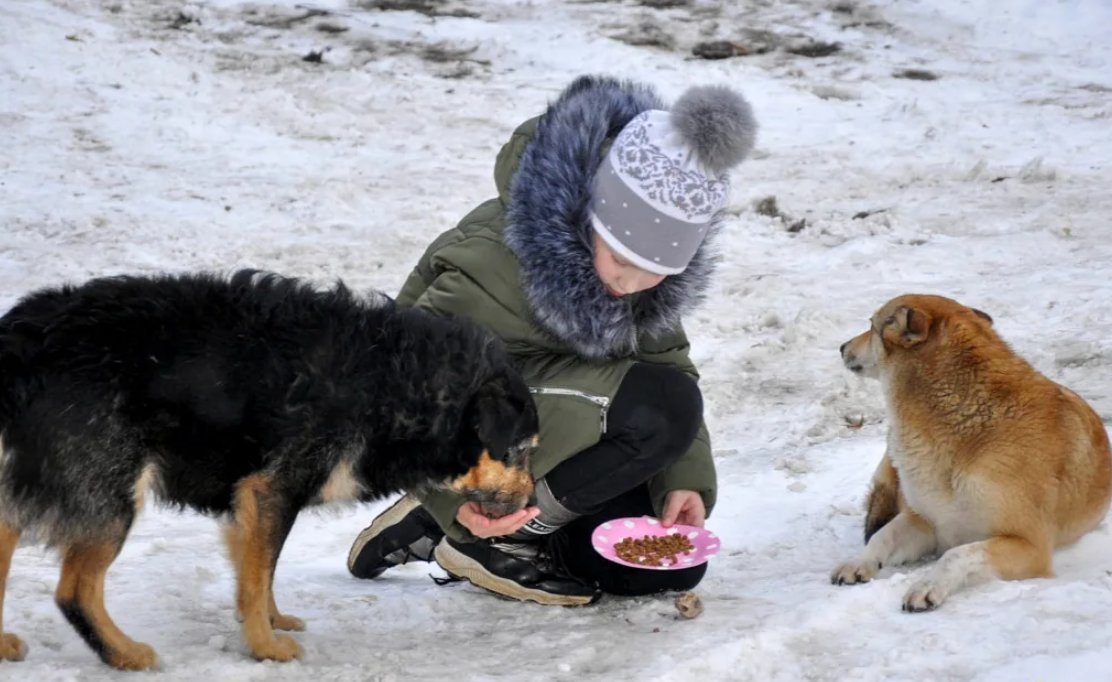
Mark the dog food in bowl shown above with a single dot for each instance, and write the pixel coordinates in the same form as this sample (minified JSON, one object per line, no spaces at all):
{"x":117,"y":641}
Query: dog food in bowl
{"x":654,"y":550}
{"x":639,"y":538}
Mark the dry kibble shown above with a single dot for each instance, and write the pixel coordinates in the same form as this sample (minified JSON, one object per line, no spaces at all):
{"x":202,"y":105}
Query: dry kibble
{"x":689,"y":605}
{"x":653,"y":550}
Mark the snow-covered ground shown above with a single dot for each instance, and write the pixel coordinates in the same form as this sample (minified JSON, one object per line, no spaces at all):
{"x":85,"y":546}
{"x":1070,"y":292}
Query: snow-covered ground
{"x":152,"y":135}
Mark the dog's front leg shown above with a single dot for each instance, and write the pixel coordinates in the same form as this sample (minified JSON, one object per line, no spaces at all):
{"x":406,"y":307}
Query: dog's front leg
{"x":278,"y":620}
{"x":260,"y":526}
{"x":906,"y":538}
{"x":1005,"y":557}
{"x":282,"y":621}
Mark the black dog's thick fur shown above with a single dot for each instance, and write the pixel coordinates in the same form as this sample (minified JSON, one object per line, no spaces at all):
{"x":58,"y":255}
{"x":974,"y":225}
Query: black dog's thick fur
{"x":190,"y":385}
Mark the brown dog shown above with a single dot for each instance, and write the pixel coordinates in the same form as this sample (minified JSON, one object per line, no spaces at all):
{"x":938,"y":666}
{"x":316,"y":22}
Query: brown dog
{"x":989,"y":463}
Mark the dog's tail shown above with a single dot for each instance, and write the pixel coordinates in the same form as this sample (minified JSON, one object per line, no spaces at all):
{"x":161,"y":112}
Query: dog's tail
{"x":9,"y":374}
{"x":884,"y":497}
{"x":23,"y":331}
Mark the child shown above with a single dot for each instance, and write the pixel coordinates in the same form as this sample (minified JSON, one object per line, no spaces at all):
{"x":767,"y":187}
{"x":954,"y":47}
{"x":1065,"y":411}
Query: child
{"x":584,"y":265}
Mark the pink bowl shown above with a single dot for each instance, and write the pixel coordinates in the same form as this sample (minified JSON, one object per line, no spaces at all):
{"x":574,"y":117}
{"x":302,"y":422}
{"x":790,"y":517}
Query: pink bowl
{"x":611,"y":533}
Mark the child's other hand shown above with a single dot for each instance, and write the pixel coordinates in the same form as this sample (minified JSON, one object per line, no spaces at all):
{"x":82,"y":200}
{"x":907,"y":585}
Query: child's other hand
{"x":473,"y":519}
{"x":684,"y":506}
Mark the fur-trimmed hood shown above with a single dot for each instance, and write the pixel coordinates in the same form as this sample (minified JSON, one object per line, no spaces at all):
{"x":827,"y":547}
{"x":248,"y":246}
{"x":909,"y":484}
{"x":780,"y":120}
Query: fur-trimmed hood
{"x":549,"y":231}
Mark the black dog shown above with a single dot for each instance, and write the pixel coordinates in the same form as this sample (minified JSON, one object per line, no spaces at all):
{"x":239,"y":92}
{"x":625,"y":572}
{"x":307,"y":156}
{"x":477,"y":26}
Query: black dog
{"x":247,"y":398}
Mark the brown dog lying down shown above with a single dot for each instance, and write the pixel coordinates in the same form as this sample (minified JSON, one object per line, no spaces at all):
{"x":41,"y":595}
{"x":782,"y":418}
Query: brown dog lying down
{"x":989,"y":463}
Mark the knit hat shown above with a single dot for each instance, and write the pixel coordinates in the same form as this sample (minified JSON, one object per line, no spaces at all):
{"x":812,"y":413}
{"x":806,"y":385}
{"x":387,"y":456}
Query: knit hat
{"x":658,"y":190}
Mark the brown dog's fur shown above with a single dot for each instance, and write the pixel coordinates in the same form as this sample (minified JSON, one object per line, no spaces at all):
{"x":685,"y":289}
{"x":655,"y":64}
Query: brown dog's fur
{"x":989,"y":463}
{"x":883,"y":502}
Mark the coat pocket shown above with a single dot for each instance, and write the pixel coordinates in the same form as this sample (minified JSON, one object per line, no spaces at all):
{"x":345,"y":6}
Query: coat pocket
{"x":601,"y":401}
{"x":571,"y":421}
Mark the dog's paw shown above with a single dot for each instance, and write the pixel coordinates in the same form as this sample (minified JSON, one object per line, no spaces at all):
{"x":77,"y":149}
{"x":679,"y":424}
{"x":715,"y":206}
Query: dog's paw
{"x":133,"y":656}
{"x":12,"y":648}
{"x":279,"y":648}
{"x":925,"y":595}
{"x":853,"y":572}
{"x":281,"y":621}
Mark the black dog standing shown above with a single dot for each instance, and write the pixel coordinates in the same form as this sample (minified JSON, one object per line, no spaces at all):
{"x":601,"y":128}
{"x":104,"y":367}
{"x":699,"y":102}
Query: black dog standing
{"x":248,"y":398}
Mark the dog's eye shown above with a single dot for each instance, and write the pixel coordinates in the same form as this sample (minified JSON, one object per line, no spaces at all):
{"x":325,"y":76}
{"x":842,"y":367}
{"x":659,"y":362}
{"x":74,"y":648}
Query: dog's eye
{"x":522,"y":449}
{"x":891,"y":319}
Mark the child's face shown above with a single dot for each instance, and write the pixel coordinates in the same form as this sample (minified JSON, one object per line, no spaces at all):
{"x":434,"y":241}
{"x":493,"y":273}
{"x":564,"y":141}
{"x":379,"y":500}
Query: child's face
{"x":621,"y":277}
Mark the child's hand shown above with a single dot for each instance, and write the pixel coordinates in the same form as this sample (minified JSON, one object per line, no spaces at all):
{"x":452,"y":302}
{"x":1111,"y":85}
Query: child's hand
{"x":684,"y":506}
{"x":473,"y":519}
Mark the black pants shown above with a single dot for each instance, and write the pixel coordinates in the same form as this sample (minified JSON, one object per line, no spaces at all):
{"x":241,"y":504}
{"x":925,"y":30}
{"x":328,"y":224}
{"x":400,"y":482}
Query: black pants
{"x":652,"y":422}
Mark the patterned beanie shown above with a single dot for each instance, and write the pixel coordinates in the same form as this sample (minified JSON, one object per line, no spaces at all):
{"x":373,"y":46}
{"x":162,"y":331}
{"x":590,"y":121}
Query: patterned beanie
{"x":666,"y":176}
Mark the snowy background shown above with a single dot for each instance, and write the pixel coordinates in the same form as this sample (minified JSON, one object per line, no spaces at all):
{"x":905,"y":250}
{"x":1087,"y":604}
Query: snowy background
{"x":334,"y":139}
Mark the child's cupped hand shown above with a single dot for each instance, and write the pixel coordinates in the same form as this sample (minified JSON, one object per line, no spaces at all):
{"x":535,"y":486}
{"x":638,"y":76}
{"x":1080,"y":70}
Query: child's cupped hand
{"x":471,"y":517}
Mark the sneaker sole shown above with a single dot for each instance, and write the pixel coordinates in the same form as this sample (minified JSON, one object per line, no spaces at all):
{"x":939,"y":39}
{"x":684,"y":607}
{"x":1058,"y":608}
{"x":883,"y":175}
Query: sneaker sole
{"x":462,"y":566}
{"x":397,"y":511}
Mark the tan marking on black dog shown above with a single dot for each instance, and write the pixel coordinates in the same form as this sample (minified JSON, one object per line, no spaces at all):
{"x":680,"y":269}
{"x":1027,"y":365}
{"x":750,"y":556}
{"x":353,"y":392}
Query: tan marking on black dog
{"x":80,"y":595}
{"x":253,"y":552}
{"x":341,"y":485}
{"x":492,"y":478}
{"x":278,"y":620}
{"x":148,"y":480}
{"x":12,"y":647}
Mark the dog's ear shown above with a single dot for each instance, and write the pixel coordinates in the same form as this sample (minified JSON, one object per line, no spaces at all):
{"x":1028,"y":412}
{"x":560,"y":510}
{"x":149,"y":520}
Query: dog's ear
{"x":914,"y":326}
{"x":982,"y":314}
{"x":492,"y":414}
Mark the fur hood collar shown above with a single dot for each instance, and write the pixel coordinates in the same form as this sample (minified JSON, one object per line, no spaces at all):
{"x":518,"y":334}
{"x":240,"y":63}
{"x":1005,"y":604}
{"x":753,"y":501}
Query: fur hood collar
{"x":548,"y":229}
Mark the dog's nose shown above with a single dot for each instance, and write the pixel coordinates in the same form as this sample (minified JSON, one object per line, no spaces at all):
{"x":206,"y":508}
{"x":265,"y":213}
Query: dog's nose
{"x":842,"y":348}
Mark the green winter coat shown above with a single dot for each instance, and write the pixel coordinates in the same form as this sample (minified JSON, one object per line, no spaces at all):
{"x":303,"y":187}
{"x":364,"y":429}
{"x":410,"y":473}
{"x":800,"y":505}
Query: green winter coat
{"x":473,"y":272}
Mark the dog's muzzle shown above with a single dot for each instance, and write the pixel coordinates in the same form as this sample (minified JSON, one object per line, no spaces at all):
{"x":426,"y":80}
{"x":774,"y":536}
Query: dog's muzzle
{"x":850,"y":360}
{"x":498,"y":488}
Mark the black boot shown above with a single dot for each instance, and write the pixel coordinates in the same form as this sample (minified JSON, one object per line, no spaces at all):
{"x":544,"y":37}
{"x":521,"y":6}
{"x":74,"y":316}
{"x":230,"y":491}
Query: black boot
{"x":514,"y":570}
{"x":402,"y":533}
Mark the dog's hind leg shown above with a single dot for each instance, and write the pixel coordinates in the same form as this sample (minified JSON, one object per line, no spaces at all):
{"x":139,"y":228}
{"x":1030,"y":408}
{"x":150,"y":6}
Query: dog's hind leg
{"x":262,"y":521}
{"x":80,"y":595}
{"x":12,"y":648}
{"x":884,"y":495}
{"x":1007,"y":557}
